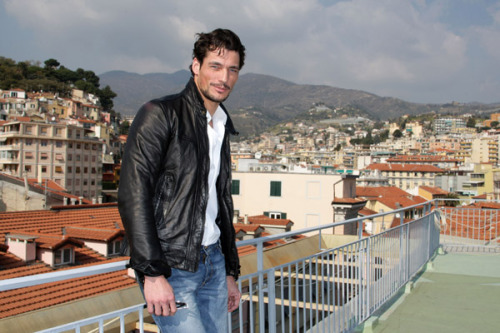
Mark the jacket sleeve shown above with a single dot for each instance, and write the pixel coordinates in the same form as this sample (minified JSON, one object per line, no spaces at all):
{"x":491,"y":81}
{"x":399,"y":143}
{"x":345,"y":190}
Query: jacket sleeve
{"x":141,"y":166}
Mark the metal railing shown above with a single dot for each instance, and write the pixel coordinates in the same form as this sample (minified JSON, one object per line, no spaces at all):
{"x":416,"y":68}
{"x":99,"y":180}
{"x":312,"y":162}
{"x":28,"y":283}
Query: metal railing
{"x":333,"y":290}
{"x":466,"y":229}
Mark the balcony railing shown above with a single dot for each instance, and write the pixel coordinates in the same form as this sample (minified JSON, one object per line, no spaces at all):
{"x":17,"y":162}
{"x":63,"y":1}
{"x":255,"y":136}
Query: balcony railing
{"x":335,"y":288}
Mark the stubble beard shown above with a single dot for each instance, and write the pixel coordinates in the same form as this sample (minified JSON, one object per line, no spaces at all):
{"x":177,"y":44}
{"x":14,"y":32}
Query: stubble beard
{"x":211,"y":98}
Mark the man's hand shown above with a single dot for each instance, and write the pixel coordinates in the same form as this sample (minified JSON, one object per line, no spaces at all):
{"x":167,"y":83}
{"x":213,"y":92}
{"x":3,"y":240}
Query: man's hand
{"x":159,"y":296}
{"x":233,"y":294}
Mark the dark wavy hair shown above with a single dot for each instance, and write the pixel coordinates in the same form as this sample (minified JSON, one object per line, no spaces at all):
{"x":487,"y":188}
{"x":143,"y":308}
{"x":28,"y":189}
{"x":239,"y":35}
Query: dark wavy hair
{"x":219,"y":38}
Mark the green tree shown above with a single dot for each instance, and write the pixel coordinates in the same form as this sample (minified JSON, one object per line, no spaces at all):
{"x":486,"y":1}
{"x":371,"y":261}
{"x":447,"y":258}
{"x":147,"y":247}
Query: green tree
{"x":51,"y":64}
{"x":106,"y":96}
{"x":124,"y":127}
{"x":397,"y":134}
{"x":471,"y":122}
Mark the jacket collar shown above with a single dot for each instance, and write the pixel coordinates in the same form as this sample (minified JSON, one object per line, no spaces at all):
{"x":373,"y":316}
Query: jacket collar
{"x":199,"y":106}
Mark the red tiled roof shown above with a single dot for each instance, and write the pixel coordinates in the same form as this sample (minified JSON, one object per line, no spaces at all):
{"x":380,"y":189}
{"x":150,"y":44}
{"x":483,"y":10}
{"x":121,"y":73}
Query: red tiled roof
{"x":247,"y":249}
{"x":17,"y":301}
{"x":379,"y":191}
{"x":389,"y":195}
{"x":45,"y":241}
{"x":52,"y":221}
{"x":404,"y":167}
{"x":98,"y":234}
{"x":94,"y":222}
{"x":366,"y":212}
{"x":434,"y":190}
{"x":246,"y":227}
{"x":264,"y":220}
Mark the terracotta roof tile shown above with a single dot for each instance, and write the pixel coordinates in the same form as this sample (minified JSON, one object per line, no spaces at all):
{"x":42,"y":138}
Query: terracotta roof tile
{"x":264,"y":220}
{"x":434,"y":190}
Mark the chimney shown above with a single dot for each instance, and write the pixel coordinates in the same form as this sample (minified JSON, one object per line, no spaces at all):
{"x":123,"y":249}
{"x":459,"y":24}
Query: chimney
{"x":245,"y":221}
{"x":23,"y":246}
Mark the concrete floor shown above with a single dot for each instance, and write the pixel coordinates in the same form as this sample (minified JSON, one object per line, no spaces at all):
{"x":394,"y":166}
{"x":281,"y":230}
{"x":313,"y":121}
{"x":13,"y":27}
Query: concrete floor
{"x":458,"y":292}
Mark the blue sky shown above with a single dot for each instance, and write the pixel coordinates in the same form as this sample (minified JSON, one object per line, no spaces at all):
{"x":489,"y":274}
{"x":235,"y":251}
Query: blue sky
{"x":426,"y":51}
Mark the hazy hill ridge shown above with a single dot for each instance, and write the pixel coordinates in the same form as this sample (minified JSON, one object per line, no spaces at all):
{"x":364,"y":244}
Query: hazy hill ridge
{"x":258,"y":101}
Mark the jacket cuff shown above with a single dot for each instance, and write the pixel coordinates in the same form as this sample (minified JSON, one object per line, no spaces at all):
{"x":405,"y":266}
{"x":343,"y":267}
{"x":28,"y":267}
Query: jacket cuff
{"x":152,"y":268}
{"x":235,"y":273}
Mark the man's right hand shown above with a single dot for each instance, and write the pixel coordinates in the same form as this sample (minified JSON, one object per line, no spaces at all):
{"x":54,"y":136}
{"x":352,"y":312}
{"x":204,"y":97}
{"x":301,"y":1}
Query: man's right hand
{"x":159,"y":296}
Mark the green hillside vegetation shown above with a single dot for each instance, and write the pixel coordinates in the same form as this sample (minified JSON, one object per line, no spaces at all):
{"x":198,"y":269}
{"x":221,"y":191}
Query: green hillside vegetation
{"x":52,"y":77}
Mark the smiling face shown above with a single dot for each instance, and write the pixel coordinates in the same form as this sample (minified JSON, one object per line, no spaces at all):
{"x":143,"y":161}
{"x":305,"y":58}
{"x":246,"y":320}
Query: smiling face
{"x":216,"y":76}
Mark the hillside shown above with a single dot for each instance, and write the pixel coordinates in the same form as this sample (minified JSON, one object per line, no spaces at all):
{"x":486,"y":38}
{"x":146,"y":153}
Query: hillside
{"x":261,"y":101}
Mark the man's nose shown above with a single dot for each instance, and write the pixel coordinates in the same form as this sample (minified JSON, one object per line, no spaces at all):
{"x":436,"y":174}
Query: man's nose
{"x":224,"y":75}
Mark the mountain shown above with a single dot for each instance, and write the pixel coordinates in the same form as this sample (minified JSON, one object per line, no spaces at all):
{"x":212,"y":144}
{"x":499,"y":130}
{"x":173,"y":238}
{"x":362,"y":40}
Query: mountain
{"x":261,"y":101}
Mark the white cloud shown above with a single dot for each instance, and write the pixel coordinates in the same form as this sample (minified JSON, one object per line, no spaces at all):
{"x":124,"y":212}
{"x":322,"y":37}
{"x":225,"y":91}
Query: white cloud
{"x":388,"y":47}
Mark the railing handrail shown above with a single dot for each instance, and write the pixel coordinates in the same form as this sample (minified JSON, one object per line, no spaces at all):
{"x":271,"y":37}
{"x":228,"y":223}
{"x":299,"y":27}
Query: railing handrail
{"x":37,"y":279}
{"x":33,"y":280}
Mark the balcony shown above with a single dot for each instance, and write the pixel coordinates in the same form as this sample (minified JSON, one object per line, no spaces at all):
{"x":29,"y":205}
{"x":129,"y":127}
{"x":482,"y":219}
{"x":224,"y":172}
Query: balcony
{"x":437,"y":273}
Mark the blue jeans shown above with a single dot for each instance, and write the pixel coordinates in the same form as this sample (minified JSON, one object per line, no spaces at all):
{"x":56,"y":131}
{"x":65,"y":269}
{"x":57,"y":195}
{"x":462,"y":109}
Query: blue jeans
{"x":204,"y":292}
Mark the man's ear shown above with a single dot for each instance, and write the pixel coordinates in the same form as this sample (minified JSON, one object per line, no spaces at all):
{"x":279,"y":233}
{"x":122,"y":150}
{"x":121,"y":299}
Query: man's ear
{"x":195,"y":66}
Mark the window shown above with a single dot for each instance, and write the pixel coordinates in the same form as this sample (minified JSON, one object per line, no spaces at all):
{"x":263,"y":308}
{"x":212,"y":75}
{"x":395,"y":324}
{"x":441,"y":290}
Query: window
{"x":44,"y":143}
{"x":29,"y":142}
{"x":114,"y":247}
{"x":63,"y":256}
{"x":59,"y":144}
{"x":235,"y":187}
{"x":275,"y":215}
{"x":275,"y":189}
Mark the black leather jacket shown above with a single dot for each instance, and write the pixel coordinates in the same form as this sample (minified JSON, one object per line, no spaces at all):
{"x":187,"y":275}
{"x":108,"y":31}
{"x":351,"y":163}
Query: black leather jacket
{"x":163,"y":189}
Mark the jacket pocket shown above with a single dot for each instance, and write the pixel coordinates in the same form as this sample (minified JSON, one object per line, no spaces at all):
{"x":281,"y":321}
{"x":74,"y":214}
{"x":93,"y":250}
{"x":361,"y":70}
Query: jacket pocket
{"x":163,"y":194}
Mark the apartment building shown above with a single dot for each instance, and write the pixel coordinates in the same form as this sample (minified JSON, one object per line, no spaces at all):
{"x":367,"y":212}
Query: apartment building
{"x":484,"y":150}
{"x":305,"y":199}
{"x":56,"y":151}
{"x":406,"y":176}
{"x":449,"y":125}
{"x":442,"y":162}
{"x":481,"y":180}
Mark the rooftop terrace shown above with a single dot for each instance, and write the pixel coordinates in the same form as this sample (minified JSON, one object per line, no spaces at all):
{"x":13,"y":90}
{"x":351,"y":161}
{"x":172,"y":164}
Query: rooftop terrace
{"x":457,"y":292}
{"x":439,"y":272}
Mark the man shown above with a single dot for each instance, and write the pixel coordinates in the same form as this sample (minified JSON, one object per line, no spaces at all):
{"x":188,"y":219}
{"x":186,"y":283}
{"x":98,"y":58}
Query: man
{"x":175,"y":194}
